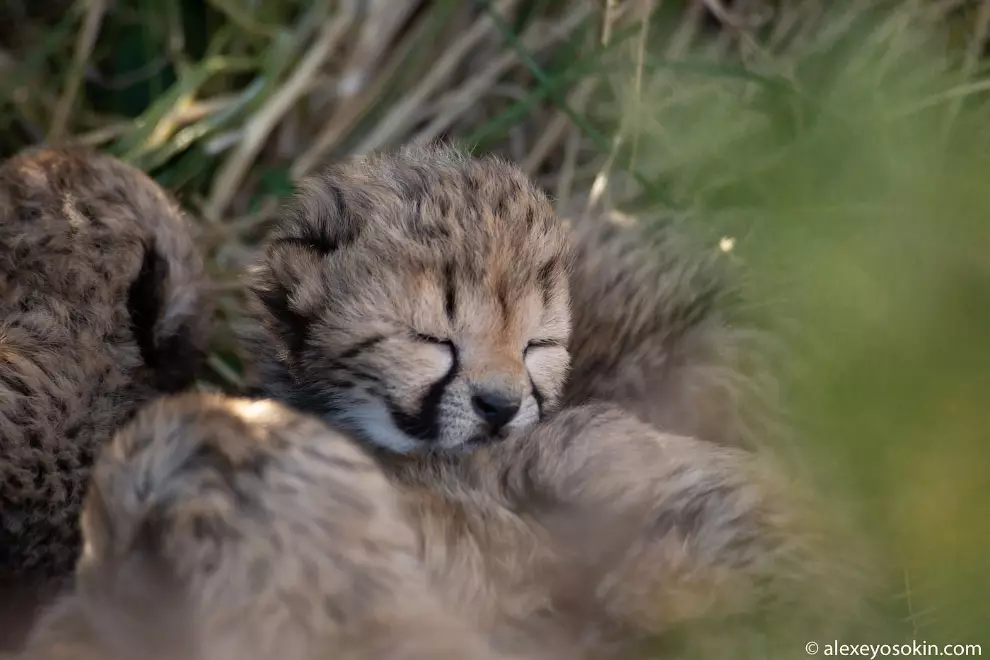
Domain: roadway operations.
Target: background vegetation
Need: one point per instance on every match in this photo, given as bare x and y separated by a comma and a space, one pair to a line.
839, 150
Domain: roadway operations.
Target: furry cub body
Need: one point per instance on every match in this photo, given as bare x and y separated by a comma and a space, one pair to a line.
227, 528
654, 331
101, 307
394, 286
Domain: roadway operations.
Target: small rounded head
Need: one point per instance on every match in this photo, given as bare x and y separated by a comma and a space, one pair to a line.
418, 299
231, 529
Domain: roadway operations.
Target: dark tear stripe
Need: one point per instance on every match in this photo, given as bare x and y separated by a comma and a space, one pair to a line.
538, 396
546, 281
543, 343
450, 292
425, 425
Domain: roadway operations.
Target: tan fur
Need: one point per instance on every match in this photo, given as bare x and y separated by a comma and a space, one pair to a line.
589, 527
101, 306
226, 528
397, 287
592, 532
229, 529
657, 329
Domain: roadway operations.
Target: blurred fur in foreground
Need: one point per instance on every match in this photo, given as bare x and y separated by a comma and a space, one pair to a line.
227, 528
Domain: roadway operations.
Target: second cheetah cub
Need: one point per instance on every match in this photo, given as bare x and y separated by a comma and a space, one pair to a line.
229, 529
103, 305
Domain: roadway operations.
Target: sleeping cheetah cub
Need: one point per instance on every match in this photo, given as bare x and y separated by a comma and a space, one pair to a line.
419, 300
229, 529
101, 307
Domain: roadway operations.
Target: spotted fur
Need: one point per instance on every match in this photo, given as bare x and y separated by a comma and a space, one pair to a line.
657, 329
417, 299
101, 307
584, 528
593, 532
231, 529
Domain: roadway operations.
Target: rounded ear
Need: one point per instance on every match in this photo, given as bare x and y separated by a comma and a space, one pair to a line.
167, 322
287, 281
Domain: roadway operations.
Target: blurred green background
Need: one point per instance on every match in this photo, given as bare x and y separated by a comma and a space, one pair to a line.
843, 147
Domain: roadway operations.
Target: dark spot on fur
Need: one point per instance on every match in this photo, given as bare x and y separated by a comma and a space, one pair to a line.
520, 484
88, 212
333, 610
202, 530
148, 539
450, 291
413, 186
27, 213
501, 207
425, 424
34, 440
538, 397
443, 203
14, 383
173, 358
433, 232
316, 240
210, 459
530, 218
687, 517
690, 314
545, 279
331, 228
471, 183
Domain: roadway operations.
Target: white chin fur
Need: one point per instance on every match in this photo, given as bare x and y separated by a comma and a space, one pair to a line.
375, 424
527, 416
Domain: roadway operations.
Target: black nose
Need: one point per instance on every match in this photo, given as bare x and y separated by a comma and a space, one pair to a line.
496, 408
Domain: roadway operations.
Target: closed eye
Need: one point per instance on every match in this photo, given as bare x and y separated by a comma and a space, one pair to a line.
430, 339
542, 343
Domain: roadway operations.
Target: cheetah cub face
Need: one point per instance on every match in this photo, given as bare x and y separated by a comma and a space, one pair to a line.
418, 299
